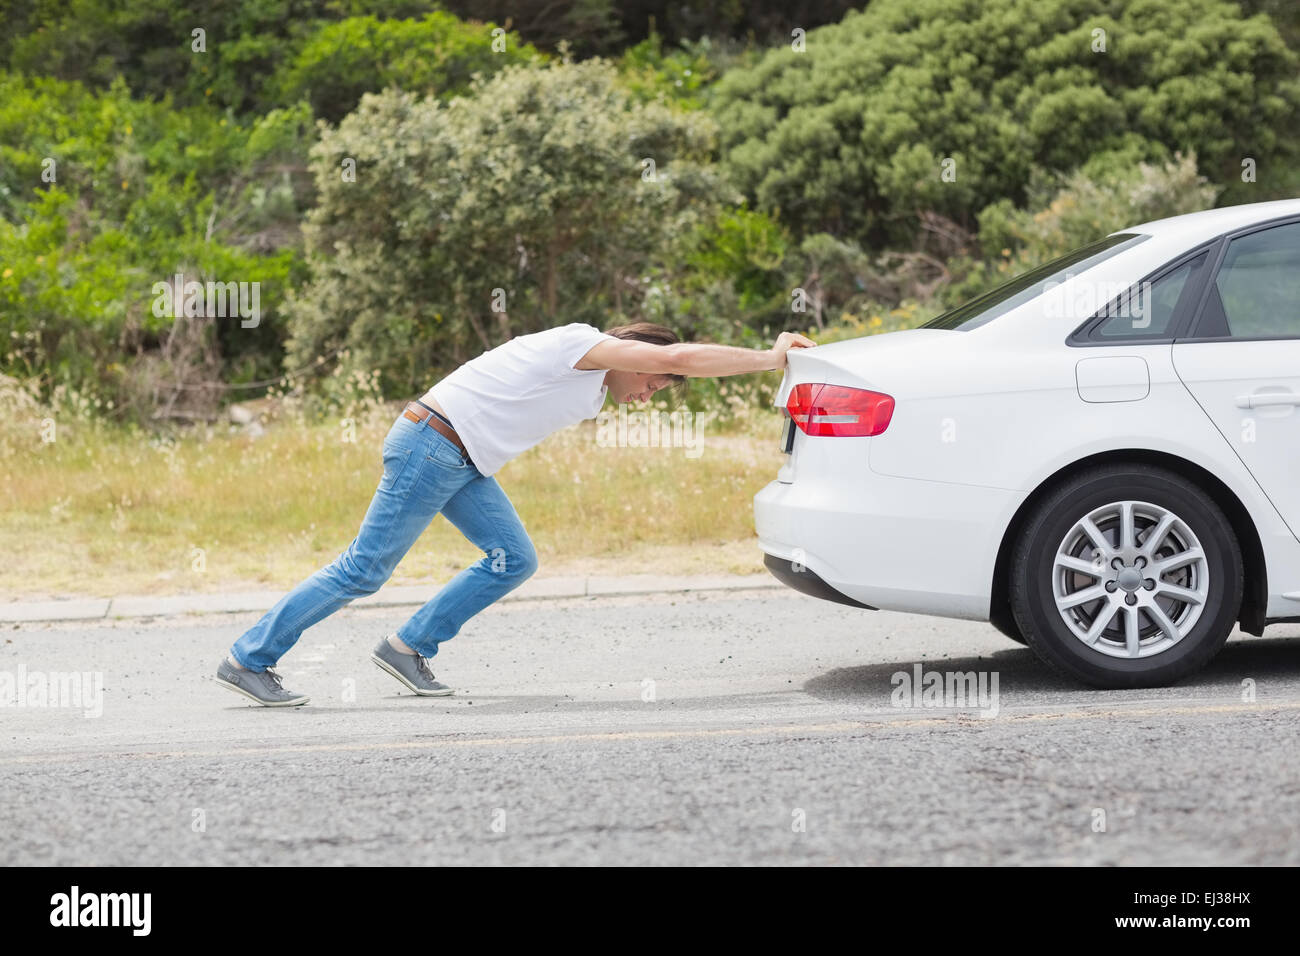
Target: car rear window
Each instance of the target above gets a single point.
(1032, 284)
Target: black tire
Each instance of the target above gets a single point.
(1033, 567)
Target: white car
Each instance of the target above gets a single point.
(1101, 457)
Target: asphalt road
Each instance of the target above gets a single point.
(762, 728)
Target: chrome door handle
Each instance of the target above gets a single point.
(1268, 398)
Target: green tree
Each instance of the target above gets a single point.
(851, 136)
(682, 75)
(245, 50)
(437, 55)
(540, 198)
(103, 195)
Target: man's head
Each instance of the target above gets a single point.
(639, 386)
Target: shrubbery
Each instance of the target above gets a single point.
(539, 199)
(436, 55)
(849, 136)
(149, 44)
(457, 196)
(133, 193)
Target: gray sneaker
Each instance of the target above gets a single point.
(264, 687)
(411, 669)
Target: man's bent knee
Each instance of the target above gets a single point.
(515, 564)
(359, 578)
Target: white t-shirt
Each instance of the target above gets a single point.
(511, 397)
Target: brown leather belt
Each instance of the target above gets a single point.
(418, 413)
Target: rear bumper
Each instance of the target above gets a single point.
(896, 544)
(796, 576)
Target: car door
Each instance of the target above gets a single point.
(1241, 358)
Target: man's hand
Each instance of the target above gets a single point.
(787, 341)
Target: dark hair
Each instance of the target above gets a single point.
(652, 334)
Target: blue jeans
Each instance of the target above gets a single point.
(424, 473)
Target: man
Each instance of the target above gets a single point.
(440, 456)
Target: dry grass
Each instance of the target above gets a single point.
(99, 512)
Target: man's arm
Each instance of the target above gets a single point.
(689, 359)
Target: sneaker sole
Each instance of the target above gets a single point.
(298, 701)
(415, 690)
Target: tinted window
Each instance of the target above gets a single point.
(1031, 285)
(1147, 308)
(1256, 294)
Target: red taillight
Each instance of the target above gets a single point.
(839, 410)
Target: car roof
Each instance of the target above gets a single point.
(1197, 227)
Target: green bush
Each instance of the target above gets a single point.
(748, 249)
(437, 55)
(150, 43)
(848, 137)
(140, 191)
(537, 184)
(683, 74)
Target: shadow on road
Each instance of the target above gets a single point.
(1262, 660)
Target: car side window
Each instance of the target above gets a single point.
(1145, 311)
(1256, 293)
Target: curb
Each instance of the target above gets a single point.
(404, 596)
